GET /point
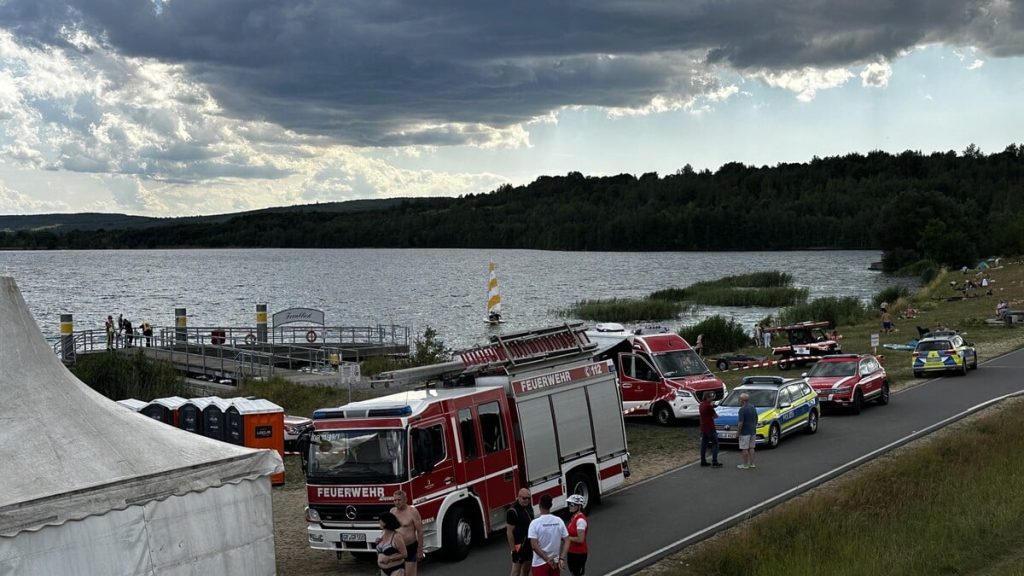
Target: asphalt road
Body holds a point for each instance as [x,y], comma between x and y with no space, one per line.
[639,525]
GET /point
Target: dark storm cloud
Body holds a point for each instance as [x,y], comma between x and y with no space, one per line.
[375,72]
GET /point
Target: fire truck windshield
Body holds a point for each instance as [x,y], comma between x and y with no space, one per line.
[358,456]
[680,363]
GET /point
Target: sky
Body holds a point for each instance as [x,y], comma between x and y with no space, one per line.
[193,107]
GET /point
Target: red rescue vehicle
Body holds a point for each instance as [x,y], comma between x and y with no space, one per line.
[660,374]
[532,409]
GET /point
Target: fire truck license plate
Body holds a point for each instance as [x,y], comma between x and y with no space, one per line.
[353,537]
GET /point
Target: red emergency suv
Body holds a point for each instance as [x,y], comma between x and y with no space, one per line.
[849,380]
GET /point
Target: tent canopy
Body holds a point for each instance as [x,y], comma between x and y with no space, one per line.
[69,453]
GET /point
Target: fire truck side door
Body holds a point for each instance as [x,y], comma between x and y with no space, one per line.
[503,481]
[470,469]
[639,380]
[432,460]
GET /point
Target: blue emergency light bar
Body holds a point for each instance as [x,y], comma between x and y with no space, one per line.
[355,412]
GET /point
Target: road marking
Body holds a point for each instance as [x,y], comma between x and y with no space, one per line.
[779,498]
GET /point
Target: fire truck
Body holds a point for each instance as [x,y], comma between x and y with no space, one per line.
[530,409]
[660,374]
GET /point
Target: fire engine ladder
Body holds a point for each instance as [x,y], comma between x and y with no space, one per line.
[530,346]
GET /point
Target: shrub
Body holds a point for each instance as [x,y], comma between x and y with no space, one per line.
[890,295]
[298,399]
[625,310]
[429,349]
[119,376]
[720,334]
[839,311]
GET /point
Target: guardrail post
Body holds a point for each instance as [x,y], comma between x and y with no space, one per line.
[67,339]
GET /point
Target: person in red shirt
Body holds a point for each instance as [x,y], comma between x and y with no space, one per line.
[708,435]
[577,526]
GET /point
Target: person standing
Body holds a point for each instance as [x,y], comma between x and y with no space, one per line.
[108,327]
[886,321]
[129,333]
[747,426]
[411,531]
[708,434]
[517,524]
[576,559]
[767,337]
[549,540]
[147,331]
[391,550]
[699,346]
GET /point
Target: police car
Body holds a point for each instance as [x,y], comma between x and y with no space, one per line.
[944,351]
[783,407]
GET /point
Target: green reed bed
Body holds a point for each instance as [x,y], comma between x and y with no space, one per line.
[839,311]
[298,399]
[765,289]
[930,511]
[119,375]
[624,309]
[747,297]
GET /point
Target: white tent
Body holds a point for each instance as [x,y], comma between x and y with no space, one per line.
[87,486]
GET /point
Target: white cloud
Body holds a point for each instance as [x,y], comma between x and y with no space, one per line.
[876,75]
[806,82]
[14,202]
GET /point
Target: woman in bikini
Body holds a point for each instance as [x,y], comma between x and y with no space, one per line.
[391,550]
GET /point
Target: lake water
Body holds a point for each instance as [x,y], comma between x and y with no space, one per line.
[444,289]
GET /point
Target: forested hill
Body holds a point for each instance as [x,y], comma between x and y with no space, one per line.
[949,207]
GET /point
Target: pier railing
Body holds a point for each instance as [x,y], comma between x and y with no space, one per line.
[235,353]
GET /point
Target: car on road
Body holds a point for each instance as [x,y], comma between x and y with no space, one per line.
[849,380]
[944,351]
[294,426]
[783,406]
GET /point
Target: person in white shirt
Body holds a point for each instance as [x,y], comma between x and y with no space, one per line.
[549,539]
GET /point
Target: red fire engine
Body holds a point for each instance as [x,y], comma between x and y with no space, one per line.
[531,409]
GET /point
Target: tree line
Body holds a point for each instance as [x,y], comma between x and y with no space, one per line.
[945,207]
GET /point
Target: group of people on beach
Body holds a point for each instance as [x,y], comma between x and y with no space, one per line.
[123,332]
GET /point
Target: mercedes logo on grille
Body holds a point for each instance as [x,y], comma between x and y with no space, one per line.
[350,512]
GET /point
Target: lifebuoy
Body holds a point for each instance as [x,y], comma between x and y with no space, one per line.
[311,336]
[250,338]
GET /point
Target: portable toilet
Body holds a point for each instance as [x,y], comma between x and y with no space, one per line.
[213,418]
[190,414]
[164,409]
[260,425]
[132,404]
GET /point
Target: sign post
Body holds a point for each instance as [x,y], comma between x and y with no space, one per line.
[874,343]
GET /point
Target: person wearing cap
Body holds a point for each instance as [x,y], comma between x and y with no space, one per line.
[576,559]
[549,540]
[517,523]
[747,426]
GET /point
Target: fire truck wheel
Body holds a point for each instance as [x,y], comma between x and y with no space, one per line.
[663,414]
[457,533]
[582,483]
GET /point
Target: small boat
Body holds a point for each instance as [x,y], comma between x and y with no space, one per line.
[493,297]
